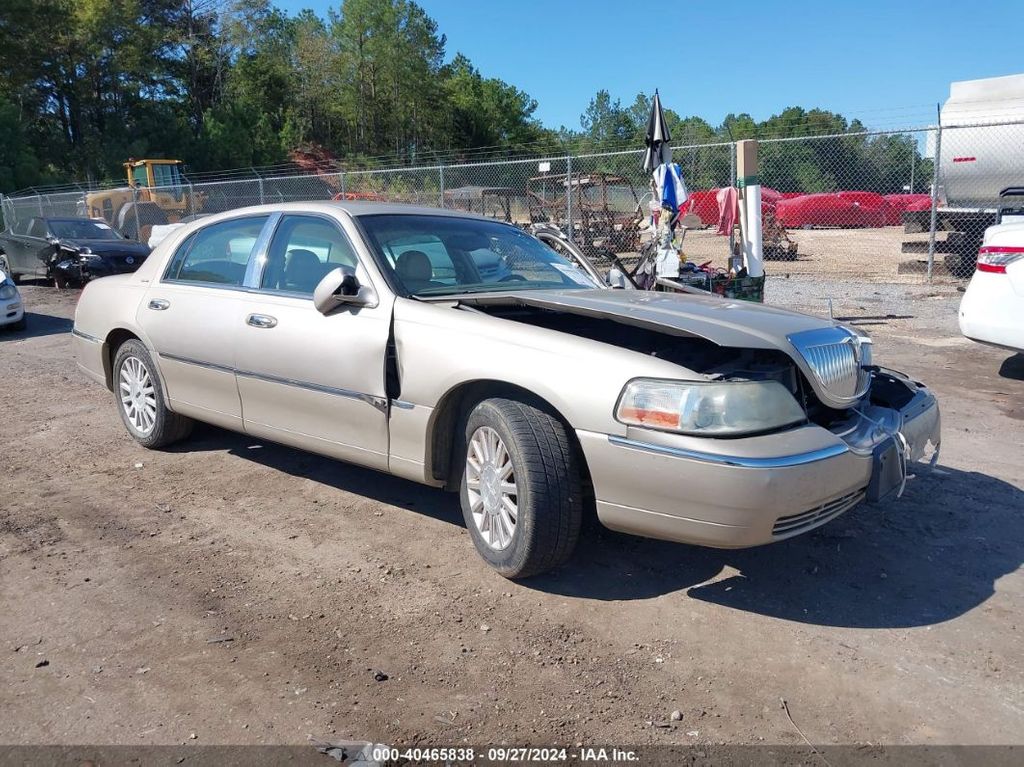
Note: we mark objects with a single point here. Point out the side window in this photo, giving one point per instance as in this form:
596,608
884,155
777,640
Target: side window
216,254
304,249
140,176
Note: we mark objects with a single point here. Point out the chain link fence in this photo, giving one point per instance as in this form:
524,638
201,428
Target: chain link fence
857,206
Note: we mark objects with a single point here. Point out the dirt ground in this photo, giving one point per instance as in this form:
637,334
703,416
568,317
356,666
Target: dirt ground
871,255
229,591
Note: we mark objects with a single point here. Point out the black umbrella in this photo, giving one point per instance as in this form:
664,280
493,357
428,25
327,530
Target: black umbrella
657,138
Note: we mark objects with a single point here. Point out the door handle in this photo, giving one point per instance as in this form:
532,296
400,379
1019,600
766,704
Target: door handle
159,304
261,321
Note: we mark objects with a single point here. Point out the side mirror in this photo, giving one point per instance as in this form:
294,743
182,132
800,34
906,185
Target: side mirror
340,287
616,279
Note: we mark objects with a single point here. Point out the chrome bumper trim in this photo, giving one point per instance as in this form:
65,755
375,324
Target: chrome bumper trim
774,462
86,336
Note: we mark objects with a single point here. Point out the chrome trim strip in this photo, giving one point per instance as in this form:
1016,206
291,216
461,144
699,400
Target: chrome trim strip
86,336
378,402
775,462
402,404
200,363
369,399
258,256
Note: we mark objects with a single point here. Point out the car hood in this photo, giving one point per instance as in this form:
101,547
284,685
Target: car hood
722,321
108,247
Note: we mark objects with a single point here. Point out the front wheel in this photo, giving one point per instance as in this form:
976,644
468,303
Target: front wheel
521,489
140,399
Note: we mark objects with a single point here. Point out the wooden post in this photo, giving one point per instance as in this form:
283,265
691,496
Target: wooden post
749,186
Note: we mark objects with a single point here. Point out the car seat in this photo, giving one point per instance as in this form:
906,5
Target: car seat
415,270
303,271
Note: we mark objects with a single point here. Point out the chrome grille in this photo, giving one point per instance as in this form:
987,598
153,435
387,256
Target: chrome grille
805,520
837,357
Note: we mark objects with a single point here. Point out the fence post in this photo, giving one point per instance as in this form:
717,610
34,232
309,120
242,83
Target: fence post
936,165
732,163
913,160
191,199
40,198
259,180
440,193
341,182
568,199
135,207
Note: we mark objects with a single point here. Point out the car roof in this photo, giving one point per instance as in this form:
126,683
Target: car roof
354,208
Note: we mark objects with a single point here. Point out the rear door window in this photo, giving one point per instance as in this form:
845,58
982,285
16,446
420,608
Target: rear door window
217,254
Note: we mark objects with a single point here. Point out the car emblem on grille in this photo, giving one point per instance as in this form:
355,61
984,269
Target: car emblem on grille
129,260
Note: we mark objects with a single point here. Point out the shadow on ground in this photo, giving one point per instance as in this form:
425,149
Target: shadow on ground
343,476
37,325
923,559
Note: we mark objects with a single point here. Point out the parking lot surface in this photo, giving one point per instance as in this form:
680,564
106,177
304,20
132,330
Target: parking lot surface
230,591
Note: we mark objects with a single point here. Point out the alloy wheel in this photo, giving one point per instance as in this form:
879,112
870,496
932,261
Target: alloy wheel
138,395
491,486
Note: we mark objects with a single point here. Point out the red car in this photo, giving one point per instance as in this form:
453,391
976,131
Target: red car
846,209
896,204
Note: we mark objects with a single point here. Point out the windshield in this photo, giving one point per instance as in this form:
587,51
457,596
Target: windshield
84,229
445,255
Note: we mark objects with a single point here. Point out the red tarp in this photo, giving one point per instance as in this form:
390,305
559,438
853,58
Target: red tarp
703,203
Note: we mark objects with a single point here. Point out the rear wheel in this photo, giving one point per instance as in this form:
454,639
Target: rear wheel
140,399
521,489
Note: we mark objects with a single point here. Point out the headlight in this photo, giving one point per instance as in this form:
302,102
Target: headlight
712,409
7,291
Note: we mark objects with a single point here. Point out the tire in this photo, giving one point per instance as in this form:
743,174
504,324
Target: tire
533,452
135,378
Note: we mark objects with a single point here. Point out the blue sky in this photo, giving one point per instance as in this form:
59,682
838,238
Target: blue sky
886,62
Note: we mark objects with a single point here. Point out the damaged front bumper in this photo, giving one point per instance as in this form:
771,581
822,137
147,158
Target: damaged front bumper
750,491
78,268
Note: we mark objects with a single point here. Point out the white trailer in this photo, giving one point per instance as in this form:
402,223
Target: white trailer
981,153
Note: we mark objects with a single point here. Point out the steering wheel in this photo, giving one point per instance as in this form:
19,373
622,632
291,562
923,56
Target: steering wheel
513,278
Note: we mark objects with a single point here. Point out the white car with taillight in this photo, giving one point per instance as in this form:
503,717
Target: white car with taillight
992,309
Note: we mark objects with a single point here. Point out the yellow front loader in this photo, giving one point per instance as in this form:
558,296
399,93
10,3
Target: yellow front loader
156,194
